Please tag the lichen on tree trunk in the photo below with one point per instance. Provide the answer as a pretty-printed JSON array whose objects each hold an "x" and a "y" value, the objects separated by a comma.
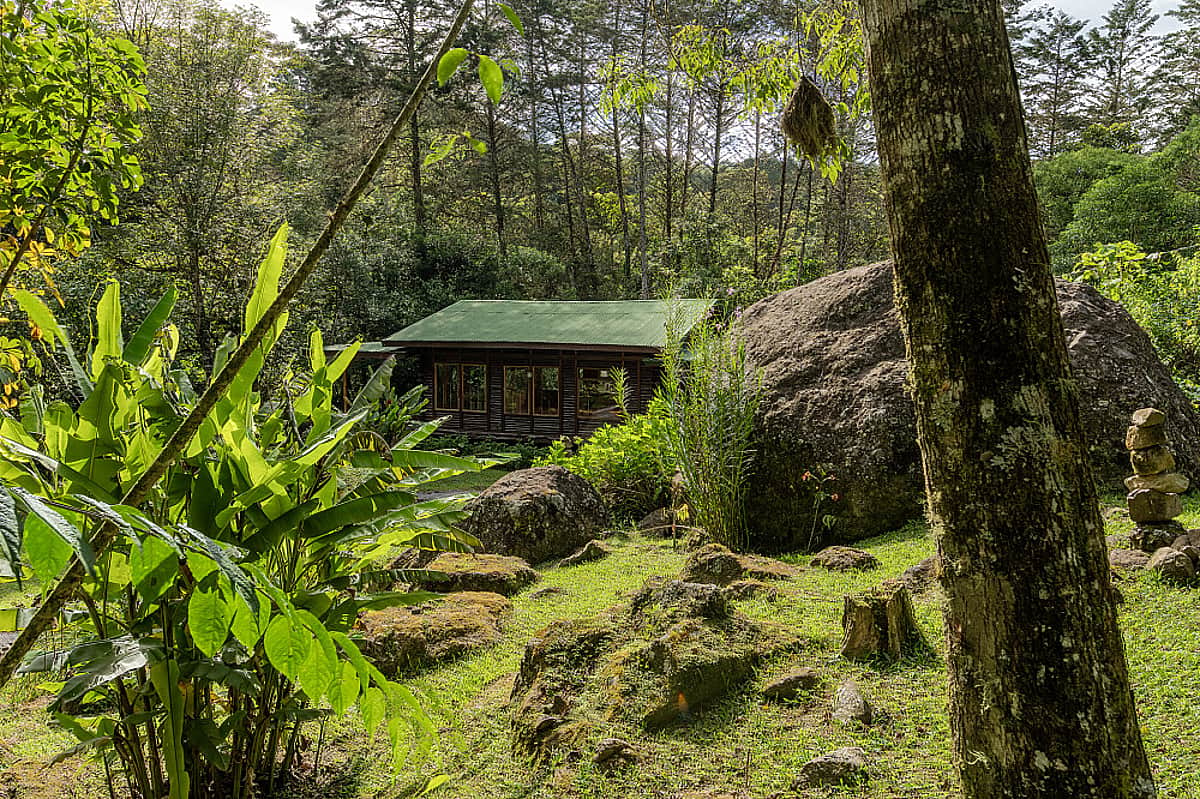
[{"x": 1040, "y": 700}]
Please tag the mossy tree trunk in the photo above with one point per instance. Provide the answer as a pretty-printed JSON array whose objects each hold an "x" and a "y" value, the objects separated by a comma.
[{"x": 1040, "y": 700}]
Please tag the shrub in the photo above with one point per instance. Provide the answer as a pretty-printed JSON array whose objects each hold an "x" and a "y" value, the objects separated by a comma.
[
  {"x": 712, "y": 395},
  {"x": 628, "y": 464}
]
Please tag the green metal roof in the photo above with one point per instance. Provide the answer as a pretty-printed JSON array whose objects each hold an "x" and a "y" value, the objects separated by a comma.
[{"x": 622, "y": 323}]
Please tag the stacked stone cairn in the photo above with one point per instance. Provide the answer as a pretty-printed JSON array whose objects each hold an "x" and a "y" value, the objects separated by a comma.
[{"x": 1155, "y": 486}]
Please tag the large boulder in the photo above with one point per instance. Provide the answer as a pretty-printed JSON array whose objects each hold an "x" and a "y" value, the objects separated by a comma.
[
  {"x": 537, "y": 514},
  {"x": 835, "y": 404}
]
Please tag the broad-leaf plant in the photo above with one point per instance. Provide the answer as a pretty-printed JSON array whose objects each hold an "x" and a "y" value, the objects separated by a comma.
[{"x": 223, "y": 620}]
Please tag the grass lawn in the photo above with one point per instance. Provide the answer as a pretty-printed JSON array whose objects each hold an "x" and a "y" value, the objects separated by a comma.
[{"x": 739, "y": 746}]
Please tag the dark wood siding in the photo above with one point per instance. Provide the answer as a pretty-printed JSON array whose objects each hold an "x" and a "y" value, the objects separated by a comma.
[{"x": 640, "y": 367}]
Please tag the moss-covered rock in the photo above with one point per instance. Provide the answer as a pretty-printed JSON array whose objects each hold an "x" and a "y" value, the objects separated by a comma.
[
  {"x": 497, "y": 574},
  {"x": 537, "y": 514},
  {"x": 717, "y": 565},
  {"x": 674, "y": 647},
  {"x": 401, "y": 639}
]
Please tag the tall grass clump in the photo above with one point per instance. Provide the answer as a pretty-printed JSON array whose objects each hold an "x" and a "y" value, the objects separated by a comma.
[{"x": 712, "y": 394}]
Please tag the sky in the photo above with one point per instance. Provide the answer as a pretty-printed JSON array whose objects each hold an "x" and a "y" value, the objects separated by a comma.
[{"x": 282, "y": 11}]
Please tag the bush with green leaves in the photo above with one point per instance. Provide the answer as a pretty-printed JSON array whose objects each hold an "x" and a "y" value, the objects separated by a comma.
[
  {"x": 629, "y": 464},
  {"x": 220, "y": 623},
  {"x": 1161, "y": 292}
]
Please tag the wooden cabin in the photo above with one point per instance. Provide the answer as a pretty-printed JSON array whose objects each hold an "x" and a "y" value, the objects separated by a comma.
[{"x": 510, "y": 369}]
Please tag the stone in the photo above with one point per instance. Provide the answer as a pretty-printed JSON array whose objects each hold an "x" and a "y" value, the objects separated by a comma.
[
  {"x": 666, "y": 653},
  {"x": 538, "y": 514},
  {"x": 1153, "y": 506},
  {"x": 1151, "y": 537},
  {"x": 842, "y": 559},
  {"x": 1132, "y": 560},
  {"x": 466, "y": 572},
  {"x": 845, "y": 766},
  {"x": 718, "y": 565},
  {"x": 1148, "y": 417},
  {"x": 750, "y": 589},
  {"x": 849, "y": 705},
  {"x": 592, "y": 550},
  {"x": 1154, "y": 460},
  {"x": 1145, "y": 437},
  {"x": 1172, "y": 564},
  {"x": 921, "y": 576},
  {"x": 400, "y": 639},
  {"x": 1167, "y": 482},
  {"x": 1193, "y": 553},
  {"x": 1190, "y": 538},
  {"x": 614, "y": 753},
  {"x": 790, "y": 686},
  {"x": 834, "y": 400},
  {"x": 879, "y": 623},
  {"x": 658, "y": 522},
  {"x": 548, "y": 591}
]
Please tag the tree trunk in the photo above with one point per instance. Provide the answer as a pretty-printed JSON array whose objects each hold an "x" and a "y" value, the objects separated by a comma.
[
  {"x": 1040, "y": 702},
  {"x": 718, "y": 135},
  {"x": 497, "y": 191},
  {"x": 414, "y": 125}
]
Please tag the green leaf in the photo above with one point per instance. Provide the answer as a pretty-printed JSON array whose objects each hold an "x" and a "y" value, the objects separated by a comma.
[
  {"x": 513, "y": 18},
  {"x": 164, "y": 676},
  {"x": 223, "y": 556},
  {"x": 343, "y": 692},
  {"x": 58, "y": 524},
  {"x": 208, "y": 619},
  {"x": 48, "y": 554},
  {"x": 438, "y": 781},
  {"x": 10, "y": 534},
  {"x": 245, "y": 625},
  {"x": 266, "y": 287},
  {"x": 153, "y": 564},
  {"x": 138, "y": 346},
  {"x": 102, "y": 662},
  {"x": 355, "y": 511},
  {"x": 378, "y": 383},
  {"x": 287, "y": 644},
  {"x": 449, "y": 64},
  {"x": 108, "y": 328},
  {"x": 320, "y": 667},
  {"x": 41, "y": 316},
  {"x": 492, "y": 78},
  {"x": 373, "y": 708}
]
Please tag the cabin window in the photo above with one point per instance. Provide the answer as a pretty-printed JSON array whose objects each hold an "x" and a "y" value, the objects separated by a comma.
[
  {"x": 545, "y": 391},
  {"x": 598, "y": 395},
  {"x": 446, "y": 389},
  {"x": 517, "y": 383},
  {"x": 474, "y": 388}
]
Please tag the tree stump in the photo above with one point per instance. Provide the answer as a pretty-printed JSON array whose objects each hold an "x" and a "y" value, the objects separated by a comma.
[{"x": 879, "y": 623}]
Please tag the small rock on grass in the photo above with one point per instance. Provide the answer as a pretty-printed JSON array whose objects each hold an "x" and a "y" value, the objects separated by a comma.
[
  {"x": 841, "y": 559},
  {"x": 592, "y": 550},
  {"x": 614, "y": 753},
  {"x": 850, "y": 705},
  {"x": 845, "y": 766},
  {"x": 1128, "y": 559},
  {"x": 791, "y": 685},
  {"x": 1172, "y": 564},
  {"x": 750, "y": 589},
  {"x": 501, "y": 574}
]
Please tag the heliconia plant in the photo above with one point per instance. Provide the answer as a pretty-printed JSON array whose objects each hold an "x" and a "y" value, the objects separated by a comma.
[{"x": 221, "y": 621}]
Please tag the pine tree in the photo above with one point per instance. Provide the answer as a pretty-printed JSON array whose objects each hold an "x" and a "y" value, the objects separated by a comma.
[
  {"x": 1055, "y": 56},
  {"x": 1121, "y": 51},
  {"x": 1177, "y": 79}
]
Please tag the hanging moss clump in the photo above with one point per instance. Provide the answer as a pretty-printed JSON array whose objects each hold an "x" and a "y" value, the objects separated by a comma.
[{"x": 808, "y": 120}]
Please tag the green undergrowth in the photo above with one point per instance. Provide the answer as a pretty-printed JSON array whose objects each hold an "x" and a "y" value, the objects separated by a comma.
[{"x": 738, "y": 745}]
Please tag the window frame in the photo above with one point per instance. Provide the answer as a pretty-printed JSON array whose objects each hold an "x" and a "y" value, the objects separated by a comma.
[
  {"x": 528, "y": 391},
  {"x": 533, "y": 390},
  {"x": 462, "y": 376},
  {"x": 589, "y": 415},
  {"x": 437, "y": 386}
]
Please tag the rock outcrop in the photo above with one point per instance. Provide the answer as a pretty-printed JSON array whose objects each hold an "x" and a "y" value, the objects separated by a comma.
[
  {"x": 401, "y": 639},
  {"x": 537, "y": 514},
  {"x": 835, "y": 403}
]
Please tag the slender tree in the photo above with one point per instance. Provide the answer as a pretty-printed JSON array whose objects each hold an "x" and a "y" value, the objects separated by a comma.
[
  {"x": 1052, "y": 86},
  {"x": 1121, "y": 49},
  {"x": 1040, "y": 701}
]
